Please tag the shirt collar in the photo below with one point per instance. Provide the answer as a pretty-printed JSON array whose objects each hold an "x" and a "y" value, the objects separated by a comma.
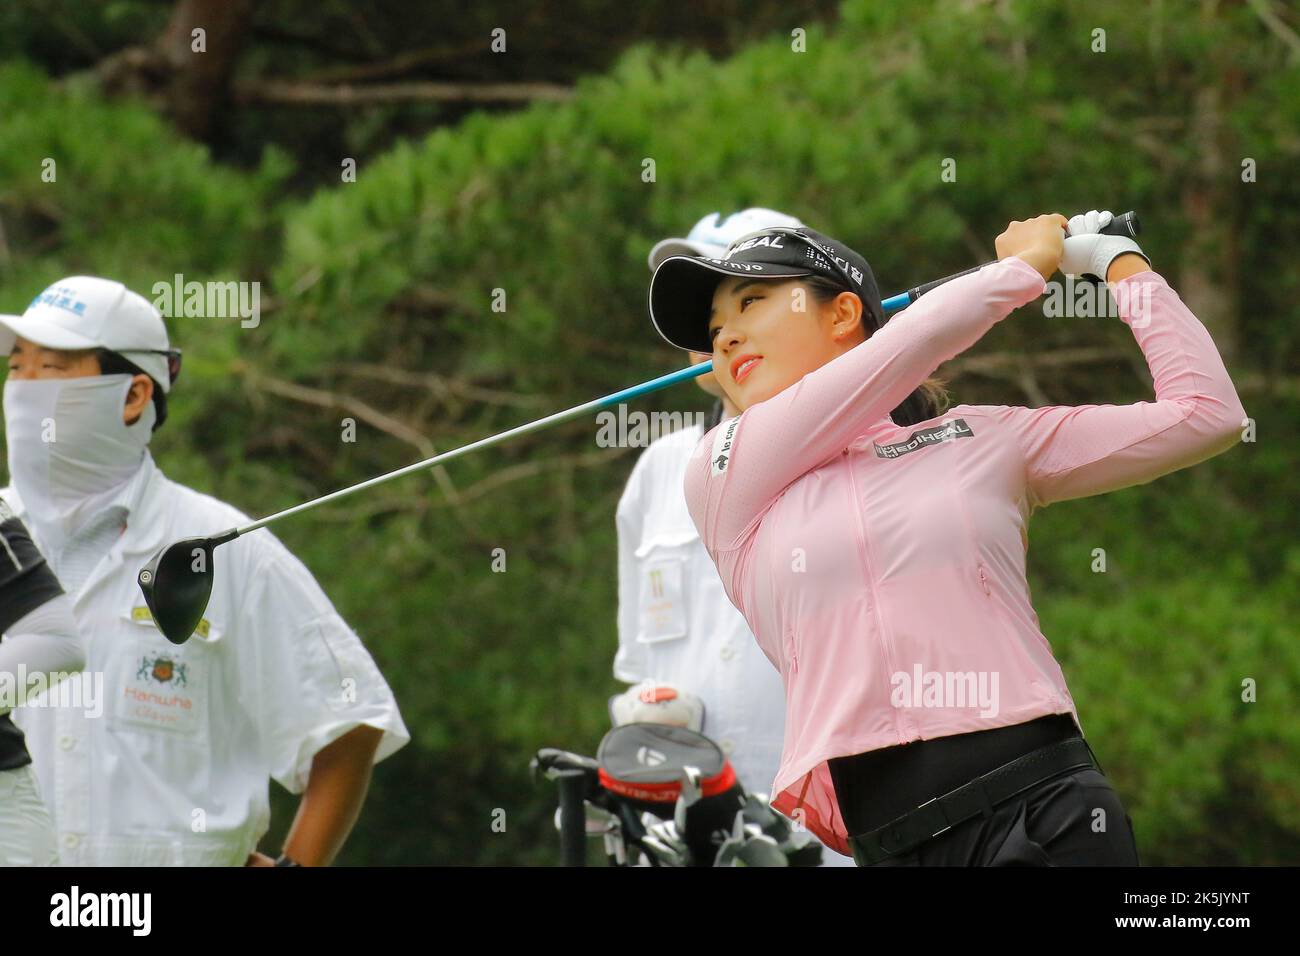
[
  {"x": 118, "y": 508},
  {"x": 128, "y": 498},
  {"x": 144, "y": 510}
]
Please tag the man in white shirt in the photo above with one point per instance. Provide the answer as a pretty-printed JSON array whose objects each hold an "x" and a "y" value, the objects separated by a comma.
[
  {"x": 676, "y": 625},
  {"x": 273, "y": 683}
]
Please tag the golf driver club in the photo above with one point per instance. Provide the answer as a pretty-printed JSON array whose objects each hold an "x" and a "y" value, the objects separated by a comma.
[{"x": 177, "y": 583}]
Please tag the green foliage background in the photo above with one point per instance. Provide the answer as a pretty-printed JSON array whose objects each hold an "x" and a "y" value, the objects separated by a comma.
[{"x": 380, "y": 292}]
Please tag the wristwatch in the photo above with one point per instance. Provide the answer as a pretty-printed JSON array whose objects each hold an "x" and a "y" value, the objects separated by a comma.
[{"x": 285, "y": 860}]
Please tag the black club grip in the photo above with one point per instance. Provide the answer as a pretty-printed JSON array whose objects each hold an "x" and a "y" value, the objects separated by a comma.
[{"x": 1126, "y": 224}]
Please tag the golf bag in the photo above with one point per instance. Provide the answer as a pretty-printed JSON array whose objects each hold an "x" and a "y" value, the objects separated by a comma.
[{"x": 670, "y": 793}]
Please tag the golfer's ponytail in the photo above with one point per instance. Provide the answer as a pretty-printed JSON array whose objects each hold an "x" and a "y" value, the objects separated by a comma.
[{"x": 929, "y": 400}]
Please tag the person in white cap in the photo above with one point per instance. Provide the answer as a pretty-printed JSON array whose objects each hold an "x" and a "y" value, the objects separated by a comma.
[
  {"x": 273, "y": 684},
  {"x": 676, "y": 626}
]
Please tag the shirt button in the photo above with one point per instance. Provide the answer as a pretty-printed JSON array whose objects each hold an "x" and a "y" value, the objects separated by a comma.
[
  {"x": 70, "y": 840},
  {"x": 67, "y": 742},
  {"x": 728, "y": 652}
]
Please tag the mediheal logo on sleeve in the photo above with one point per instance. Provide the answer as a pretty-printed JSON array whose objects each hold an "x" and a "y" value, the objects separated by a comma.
[
  {"x": 722, "y": 446},
  {"x": 957, "y": 428}
]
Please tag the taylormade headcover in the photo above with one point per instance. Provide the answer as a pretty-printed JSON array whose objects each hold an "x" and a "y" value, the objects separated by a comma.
[{"x": 650, "y": 703}]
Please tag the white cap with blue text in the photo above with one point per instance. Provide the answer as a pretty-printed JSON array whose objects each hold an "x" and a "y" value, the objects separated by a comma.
[
  {"x": 85, "y": 312},
  {"x": 712, "y": 234}
]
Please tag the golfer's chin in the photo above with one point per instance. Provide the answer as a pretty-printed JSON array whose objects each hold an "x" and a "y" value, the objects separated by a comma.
[{"x": 750, "y": 392}]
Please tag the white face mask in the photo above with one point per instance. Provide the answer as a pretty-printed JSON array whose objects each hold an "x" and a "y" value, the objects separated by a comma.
[{"x": 69, "y": 450}]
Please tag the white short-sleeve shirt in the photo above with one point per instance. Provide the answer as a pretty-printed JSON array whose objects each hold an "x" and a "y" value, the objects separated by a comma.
[{"x": 160, "y": 754}]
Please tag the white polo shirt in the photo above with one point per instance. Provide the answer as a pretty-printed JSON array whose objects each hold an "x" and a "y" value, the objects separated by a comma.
[
  {"x": 677, "y": 626},
  {"x": 174, "y": 769}
]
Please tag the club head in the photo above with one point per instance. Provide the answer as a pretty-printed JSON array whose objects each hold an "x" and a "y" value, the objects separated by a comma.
[
  {"x": 177, "y": 584},
  {"x": 760, "y": 850}
]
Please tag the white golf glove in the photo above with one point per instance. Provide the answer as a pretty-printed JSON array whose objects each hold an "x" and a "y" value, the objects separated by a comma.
[{"x": 1087, "y": 252}]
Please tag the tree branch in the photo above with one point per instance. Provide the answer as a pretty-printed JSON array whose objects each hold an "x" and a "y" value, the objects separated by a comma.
[
  {"x": 296, "y": 93},
  {"x": 309, "y": 41},
  {"x": 442, "y": 386},
  {"x": 1020, "y": 369},
  {"x": 395, "y": 66},
  {"x": 1264, "y": 10},
  {"x": 1144, "y": 134},
  {"x": 58, "y": 17},
  {"x": 371, "y": 416},
  {"x": 995, "y": 362},
  {"x": 373, "y": 509},
  {"x": 536, "y": 466},
  {"x": 1268, "y": 385}
]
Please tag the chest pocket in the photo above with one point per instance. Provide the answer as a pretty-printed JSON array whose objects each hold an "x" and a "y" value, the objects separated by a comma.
[
  {"x": 156, "y": 685},
  {"x": 663, "y": 561}
]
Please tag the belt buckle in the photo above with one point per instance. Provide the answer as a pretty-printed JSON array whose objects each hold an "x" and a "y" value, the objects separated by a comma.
[{"x": 947, "y": 825}]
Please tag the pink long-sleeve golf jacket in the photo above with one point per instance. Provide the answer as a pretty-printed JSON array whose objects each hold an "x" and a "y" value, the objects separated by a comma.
[{"x": 882, "y": 568}]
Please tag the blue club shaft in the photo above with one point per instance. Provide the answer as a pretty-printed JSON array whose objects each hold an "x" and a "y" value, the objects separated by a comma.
[{"x": 892, "y": 304}]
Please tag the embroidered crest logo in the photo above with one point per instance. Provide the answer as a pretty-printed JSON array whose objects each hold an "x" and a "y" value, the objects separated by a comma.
[{"x": 162, "y": 669}]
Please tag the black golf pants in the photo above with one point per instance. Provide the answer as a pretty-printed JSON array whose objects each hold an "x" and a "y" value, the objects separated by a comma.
[{"x": 1072, "y": 820}]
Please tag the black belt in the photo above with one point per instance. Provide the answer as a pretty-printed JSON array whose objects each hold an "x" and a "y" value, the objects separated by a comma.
[{"x": 971, "y": 799}]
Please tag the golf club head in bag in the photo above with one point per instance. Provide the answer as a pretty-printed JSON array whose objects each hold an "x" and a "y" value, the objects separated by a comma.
[
  {"x": 748, "y": 845},
  {"x": 177, "y": 584},
  {"x": 667, "y": 847},
  {"x": 674, "y": 774},
  {"x": 799, "y": 847}
]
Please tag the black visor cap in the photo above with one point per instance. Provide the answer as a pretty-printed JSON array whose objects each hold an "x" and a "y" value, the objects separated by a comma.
[{"x": 681, "y": 291}]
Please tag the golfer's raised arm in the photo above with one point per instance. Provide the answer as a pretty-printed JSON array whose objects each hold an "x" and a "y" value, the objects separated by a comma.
[
  {"x": 44, "y": 641},
  {"x": 1072, "y": 451},
  {"x": 777, "y": 440},
  {"x": 40, "y": 634}
]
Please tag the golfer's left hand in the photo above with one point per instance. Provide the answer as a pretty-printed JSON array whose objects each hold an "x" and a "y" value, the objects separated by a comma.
[
  {"x": 1087, "y": 252},
  {"x": 1038, "y": 241}
]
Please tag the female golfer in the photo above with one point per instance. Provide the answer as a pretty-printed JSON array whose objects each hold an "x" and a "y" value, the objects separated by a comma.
[{"x": 882, "y": 567}]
